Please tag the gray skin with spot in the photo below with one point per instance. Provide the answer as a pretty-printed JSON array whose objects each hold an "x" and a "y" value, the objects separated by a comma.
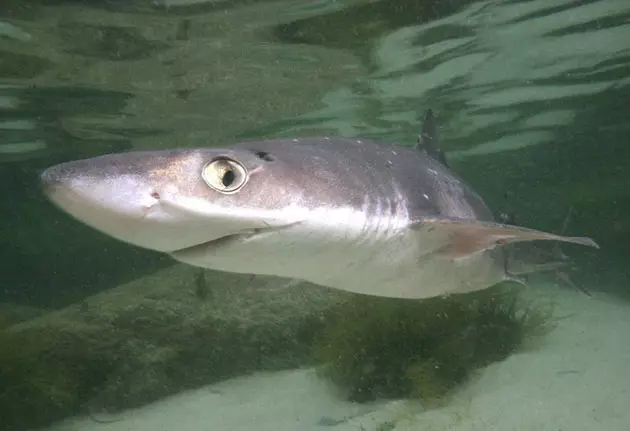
[{"x": 356, "y": 215}]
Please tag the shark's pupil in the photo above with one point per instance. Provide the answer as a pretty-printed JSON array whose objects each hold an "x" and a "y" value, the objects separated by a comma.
[{"x": 228, "y": 178}]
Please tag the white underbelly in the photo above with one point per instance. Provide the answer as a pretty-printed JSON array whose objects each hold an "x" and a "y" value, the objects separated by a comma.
[
  {"x": 397, "y": 265},
  {"x": 437, "y": 276}
]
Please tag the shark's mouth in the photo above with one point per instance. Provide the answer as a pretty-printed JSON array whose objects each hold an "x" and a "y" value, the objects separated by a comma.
[
  {"x": 216, "y": 243},
  {"x": 229, "y": 239}
]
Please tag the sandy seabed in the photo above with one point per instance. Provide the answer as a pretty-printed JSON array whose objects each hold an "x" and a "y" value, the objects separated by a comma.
[{"x": 577, "y": 379}]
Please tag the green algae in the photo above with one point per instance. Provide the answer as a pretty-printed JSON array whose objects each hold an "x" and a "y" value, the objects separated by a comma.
[{"x": 389, "y": 348}]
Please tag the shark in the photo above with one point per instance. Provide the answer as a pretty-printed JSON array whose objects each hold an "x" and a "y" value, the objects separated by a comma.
[{"x": 358, "y": 215}]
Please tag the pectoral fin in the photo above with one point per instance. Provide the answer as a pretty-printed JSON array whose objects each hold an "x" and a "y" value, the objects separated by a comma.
[{"x": 463, "y": 238}]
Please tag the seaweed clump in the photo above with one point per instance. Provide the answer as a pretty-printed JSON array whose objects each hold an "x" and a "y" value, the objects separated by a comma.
[
  {"x": 390, "y": 348},
  {"x": 38, "y": 386}
]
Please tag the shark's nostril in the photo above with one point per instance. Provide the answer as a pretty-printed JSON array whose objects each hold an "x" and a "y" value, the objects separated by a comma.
[{"x": 155, "y": 195}]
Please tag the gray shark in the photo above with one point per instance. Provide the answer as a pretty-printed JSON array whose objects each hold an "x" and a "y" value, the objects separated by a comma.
[{"x": 356, "y": 215}]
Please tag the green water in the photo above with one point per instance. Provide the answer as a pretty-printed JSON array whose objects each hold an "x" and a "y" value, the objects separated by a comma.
[
  {"x": 532, "y": 99},
  {"x": 86, "y": 78}
]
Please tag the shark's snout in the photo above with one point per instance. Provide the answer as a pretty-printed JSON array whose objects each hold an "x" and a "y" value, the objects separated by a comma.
[
  {"x": 121, "y": 200},
  {"x": 155, "y": 200},
  {"x": 123, "y": 206},
  {"x": 58, "y": 179},
  {"x": 49, "y": 179}
]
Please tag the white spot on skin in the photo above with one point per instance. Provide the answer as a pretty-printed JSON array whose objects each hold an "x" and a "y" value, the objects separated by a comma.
[
  {"x": 431, "y": 171},
  {"x": 426, "y": 196},
  {"x": 359, "y": 141},
  {"x": 295, "y": 140}
]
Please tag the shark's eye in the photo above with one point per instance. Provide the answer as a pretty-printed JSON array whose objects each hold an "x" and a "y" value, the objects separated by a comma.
[{"x": 225, "y": 175}]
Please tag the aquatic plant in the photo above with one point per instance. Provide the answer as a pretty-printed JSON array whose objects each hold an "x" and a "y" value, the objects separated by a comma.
[
  {"x": 390, "y": 348},
  {"x": 37, "y": 385},
  {"x": 25, "y": 385},
  {"x": 141, "y": 342}
]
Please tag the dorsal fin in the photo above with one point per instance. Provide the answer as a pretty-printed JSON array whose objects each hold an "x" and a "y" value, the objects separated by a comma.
[{"x": 429, "y": 139}]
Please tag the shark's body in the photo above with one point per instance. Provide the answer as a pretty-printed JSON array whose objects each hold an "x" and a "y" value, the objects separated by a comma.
[{"x": 355, "y": 215}]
